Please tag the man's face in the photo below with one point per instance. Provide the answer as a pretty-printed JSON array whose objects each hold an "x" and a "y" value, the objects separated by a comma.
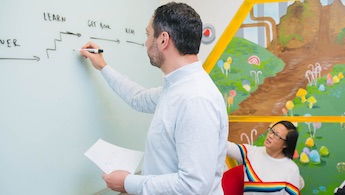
[{"x": 156, "y": 57}]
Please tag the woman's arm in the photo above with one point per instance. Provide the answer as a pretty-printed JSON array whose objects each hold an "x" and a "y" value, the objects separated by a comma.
[{"x": 234, "y": 152}]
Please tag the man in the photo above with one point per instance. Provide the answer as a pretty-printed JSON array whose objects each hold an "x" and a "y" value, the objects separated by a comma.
[{"x": 186, "y": 143}]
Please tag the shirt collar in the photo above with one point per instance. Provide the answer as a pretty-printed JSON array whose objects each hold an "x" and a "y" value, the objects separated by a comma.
[{"x": 181, "y": 72}]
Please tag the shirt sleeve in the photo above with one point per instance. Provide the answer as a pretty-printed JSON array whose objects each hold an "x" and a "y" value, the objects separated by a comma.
[
  {"x": 295, "y": 178},
  {"x": 197, "y": 144},
  {"x": 234, "y": 152},
  {"x": 136, "y": 96}
]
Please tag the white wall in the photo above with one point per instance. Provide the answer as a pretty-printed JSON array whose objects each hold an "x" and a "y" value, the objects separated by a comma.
[
  {"x": 219, "y": 13},
  {"x": 53, "y": 109}
]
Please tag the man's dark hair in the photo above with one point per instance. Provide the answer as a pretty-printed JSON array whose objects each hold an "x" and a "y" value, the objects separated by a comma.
[{"x": 183, "y": 25}]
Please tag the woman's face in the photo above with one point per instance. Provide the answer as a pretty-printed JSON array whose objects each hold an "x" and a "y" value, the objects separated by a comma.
[{"x": 276, "y": 136}]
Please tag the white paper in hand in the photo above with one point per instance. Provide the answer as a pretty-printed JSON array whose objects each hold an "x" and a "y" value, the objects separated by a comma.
[{"x": 109, "y": 157}]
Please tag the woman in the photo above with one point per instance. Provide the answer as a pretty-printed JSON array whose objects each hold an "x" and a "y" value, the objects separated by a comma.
[{"x": 268, "y": 169}]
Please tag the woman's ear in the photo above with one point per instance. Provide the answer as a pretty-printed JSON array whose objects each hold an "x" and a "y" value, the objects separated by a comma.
[{"x": 285, "y": 145}]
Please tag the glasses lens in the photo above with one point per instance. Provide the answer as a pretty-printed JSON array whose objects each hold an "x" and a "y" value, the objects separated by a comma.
[{"x": 275, "y": 135}]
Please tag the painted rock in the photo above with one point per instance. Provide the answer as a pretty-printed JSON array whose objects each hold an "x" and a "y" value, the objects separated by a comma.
[
  {"x": 324, "y": 151},
  {"x": 306, "y": 150},
  {"x": 314, "y": 157},
  {"x": 295, "y": 155},
  {"x": 304, "y": 158},
  {"x": 309, "y": 142},
  {"x": 322, "y": 87}
]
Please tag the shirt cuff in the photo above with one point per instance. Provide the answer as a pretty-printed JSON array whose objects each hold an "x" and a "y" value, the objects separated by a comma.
[
  {"x": 133, "y": 183},
  {"x": 105, "y": 71}
]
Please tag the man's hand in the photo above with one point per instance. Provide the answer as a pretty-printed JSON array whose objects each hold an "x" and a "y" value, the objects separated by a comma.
[
  {"x": 116, "y": 180},
  {"x": 97, "y": 60}
]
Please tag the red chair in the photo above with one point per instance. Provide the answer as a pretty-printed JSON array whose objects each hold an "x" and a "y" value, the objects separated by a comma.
[{"x": 233, "y": 181}]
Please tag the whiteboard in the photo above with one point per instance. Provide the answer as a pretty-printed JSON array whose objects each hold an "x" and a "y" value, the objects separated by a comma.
[{"x": 54, "y": 105}]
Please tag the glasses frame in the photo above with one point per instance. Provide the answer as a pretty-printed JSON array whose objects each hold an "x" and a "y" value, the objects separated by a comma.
[{"x": 275, "y": 135}]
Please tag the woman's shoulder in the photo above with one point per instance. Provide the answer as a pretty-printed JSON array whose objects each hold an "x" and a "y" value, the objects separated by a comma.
[
  {"x": 290, "y": 165},
  {"x": 254, "y": 148}
]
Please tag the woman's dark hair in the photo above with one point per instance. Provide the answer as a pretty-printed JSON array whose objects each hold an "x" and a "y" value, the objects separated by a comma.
[
  {"x": 291, "y": 138},
  {"x": 182, "y": 23}
]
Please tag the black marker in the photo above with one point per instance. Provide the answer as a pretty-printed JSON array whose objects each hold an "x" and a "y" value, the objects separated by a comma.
[{"x": 91, "y": 50}]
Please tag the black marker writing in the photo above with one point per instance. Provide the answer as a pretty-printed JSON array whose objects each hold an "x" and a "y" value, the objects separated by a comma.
[
  {"x": 53, "y": 17},
  {"x": 9, "y": 42},
  {"x": 116, "y": 40},
  {"x": 55, "y": 40},
  {"x": 35, "y": 58}
]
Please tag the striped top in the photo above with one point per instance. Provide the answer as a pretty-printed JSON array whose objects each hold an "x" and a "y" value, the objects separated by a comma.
[{"x": 255, "y": 184}]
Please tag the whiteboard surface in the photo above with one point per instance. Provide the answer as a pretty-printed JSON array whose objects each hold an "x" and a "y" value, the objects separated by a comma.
[{"x": 54, "y": 105}]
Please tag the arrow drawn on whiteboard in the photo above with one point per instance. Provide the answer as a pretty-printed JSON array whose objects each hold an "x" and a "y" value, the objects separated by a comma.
[
  {"x": 142, "y": 44},
  {"x": 55, "y": 40},
  {"x": 118, "y": 41},
  {"x": 35, "y": 58}
]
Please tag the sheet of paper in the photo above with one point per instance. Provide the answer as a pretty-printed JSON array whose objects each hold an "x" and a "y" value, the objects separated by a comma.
[{"x": 110, "y": 157}]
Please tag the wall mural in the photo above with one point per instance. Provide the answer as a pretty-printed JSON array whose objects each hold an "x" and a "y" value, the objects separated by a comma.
[{"x": 286, "y": 60}]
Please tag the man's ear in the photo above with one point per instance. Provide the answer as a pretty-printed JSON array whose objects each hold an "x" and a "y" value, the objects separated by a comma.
[{"x": 165, "y": 39}]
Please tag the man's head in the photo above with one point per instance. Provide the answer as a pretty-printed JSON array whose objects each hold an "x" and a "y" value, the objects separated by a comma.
[{"x": 182, "y": 24}]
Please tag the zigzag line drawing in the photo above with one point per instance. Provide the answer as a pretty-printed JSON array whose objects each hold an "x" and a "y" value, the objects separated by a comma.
[{"x": 55, "y": 40}]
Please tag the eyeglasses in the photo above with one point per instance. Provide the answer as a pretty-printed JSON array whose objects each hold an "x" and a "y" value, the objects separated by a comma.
[{"x": 275, "y": 135}]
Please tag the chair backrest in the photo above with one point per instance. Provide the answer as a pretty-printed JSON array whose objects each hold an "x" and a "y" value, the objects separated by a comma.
[{"x": 233, "y": 181}]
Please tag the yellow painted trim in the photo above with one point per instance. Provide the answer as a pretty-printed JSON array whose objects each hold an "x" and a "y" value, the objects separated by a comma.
[
  {"x": 324, "y": 119},
  {"x": 231, "y": 30},
  {"x": 230, "y": 162}
]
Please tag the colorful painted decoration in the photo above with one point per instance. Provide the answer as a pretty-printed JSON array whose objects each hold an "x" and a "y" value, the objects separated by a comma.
[
  {"x": 309, "y": 142},
  {"x": 304, "y": 158},
  {"x": 324, "y": 151},
  {"x": 322, "y": 88},
  {"x": 306, "y": 150},
  {"x": 314, "y": 157},
  {"x": 208, "y": 34},
  {"x": 254, "y": 60}
]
